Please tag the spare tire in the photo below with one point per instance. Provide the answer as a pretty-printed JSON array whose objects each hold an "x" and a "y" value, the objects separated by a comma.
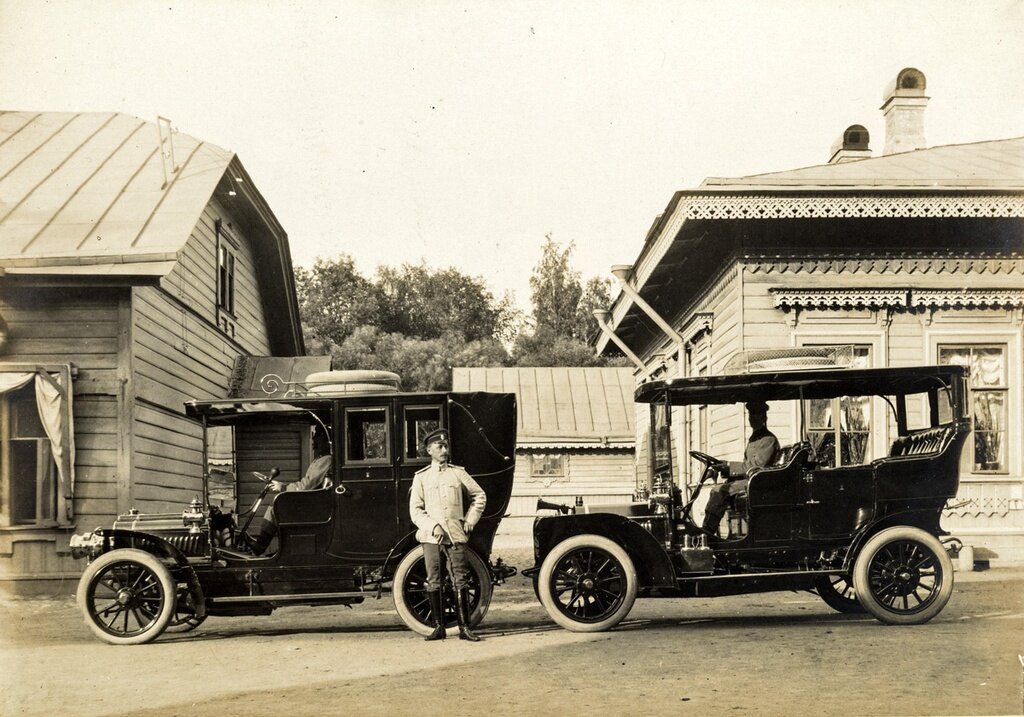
[{"x": 332, "y": 383}]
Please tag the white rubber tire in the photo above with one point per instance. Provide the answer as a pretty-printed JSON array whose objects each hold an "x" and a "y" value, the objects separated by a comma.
[
  {"x": 412, "y": 563},
  {"x": 899, "y": 562},
  {"x": 624, "y": 574}
]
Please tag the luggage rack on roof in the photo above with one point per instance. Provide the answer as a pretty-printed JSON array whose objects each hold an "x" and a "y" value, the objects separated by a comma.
[
  {"x": 803, "y": 358},
  {"x": 333, "y": 383}
]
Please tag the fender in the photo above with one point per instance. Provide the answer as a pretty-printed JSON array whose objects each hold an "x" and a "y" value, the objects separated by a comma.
[
  {"x": 926, "y": 520},
  {"x": 154, "y": 544},
  {"x": 653, "y": 564}
]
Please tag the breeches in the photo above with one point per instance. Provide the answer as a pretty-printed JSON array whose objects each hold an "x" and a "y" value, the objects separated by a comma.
[
  {"x": 722, "y": 495},
  {"x": 458, "y": 564}
]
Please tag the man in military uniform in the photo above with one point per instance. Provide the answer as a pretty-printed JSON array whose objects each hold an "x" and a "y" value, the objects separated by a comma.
[
  {"x": 762, "y": 447},
  {"x": 436, "y": 505}
]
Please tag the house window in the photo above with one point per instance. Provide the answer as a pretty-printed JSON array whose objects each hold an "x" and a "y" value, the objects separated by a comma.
[
  {"x": 547, "y": 465},
  {"x": 839, "y": 429},
  {"x": 225, "y": 278},
  {"x": 29, "y": 480},
  {"x": 987, "y": 442},
  {"x": 366, "y": 435},
  {"x": 420, "y": 421}
]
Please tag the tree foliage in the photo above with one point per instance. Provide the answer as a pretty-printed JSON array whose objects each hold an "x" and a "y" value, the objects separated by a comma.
[{"x": 335, "y": 300}]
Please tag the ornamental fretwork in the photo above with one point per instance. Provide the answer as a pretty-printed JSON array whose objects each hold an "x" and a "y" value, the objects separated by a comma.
[{"x": 748, "y": 207}]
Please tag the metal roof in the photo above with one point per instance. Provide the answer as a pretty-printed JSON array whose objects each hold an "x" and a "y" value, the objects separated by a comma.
[
  {"x": 563, "y": 407},
  {"x": 997, "y": 164},
  {"x": 88, "y": 189},
  {"x": 99, "y": 197}
]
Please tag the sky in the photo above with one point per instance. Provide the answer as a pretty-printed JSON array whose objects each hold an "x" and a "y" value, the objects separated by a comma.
[{"x": 463, "y": 133}]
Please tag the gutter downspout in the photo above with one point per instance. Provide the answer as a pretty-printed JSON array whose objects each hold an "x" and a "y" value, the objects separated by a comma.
[
  {"x": 602, "y": 321},
  {"x": 621, "y": 272}
]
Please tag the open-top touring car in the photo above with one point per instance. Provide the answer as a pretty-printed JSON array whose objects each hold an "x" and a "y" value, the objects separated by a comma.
[
  {"x": 823, "y": 515},
  {"x": 348, "y": 540}
]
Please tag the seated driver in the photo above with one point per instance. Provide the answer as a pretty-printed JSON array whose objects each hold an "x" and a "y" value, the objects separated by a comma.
[
  {"x": 315, "y": 478},
  {"x": 762, "y": 447}
]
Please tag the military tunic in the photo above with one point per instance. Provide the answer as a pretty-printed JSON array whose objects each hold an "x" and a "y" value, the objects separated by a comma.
[{"x": 436, "y": 500}]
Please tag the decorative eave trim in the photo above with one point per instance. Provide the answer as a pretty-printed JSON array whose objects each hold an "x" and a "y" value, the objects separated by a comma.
[
  {"x": 980, "y": 298},
  {"x": 804, "y": 207},
  {"x": 787, "y": 298}
]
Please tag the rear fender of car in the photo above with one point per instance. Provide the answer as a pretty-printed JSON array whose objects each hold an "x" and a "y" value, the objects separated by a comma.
[
  {"x": 926, "y": 520},
  {"x": 652, "y": 562}
]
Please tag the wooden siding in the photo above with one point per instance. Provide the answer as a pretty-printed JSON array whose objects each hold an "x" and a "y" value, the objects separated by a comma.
[
  {"x": 178, "y": 354},
  {"x": 260, "y": 448},
  {"x": 598, "y": 476},
  {"x": 50, "y": 325}
]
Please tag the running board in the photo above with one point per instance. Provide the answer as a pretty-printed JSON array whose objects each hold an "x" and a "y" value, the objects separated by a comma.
[{"x": 301, "y": 597}]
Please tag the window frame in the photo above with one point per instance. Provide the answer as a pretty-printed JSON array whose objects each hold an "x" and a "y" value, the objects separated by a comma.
[
  {"x": 562, "y": 465},
  {"x": 226, "y": 288},
  {"x": 405, "y": 430},
  {"x": 968, "y": 463},
  {"x": 346, "y": 456},
  {"x": 62, "y": 493}
]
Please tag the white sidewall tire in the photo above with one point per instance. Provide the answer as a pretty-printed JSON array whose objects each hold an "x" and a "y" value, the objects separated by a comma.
[
  {"x": 862, "y": 580},
  {"x": 167, "y": 585},
  {"x": 551, "y": 603},
  {"x": 405, "y": 612}
]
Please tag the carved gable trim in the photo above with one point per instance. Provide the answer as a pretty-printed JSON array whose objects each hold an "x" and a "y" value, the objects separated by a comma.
[{"x": 788, "y": 298}]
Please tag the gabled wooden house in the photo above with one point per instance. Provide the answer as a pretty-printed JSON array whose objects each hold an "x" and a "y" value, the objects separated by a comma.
[
  {"x": 576, "y": 434},
  {"x": 913, "y": 257},
  {"x": 136, "y": 264}
]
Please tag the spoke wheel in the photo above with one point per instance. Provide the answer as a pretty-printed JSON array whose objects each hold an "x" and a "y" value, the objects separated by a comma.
[
  {"x": 838, "y": 593},
  {"x": 127, "y": 597},
  {"x": 184, "y": 620},
  {"x": 410, "y": 592},
  {"x": 587, "y": 584},
  {"x": 903, "y": 576}
]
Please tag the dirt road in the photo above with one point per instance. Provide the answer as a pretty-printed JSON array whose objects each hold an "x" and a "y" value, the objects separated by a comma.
[{"x": 769, "y": 654}]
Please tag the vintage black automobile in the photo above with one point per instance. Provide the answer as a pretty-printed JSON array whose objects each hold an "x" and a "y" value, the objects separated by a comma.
[
  {"x": 349, "y": 540},
  {"x": 864, "y": 536}
]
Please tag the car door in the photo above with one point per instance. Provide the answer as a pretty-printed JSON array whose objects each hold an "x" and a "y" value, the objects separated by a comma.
[{"x": 365, "y": 493}]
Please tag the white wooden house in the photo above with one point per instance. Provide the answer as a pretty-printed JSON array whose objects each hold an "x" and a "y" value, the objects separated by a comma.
[{"x": 913, "y": 257}]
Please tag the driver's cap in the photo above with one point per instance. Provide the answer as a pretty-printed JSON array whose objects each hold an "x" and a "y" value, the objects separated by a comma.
[{"x": 439, "y": 434}]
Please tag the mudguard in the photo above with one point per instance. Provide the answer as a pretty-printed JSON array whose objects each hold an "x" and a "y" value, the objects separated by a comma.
[
  {"x": 652, "y": 562},
  {"x": 925, "y": 519}
]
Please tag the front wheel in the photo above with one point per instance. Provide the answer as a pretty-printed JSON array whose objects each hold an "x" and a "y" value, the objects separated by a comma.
[
  {"x": 127, "y": 597},
  {"x": 587, "y": 584},
  {"x": 410, "y": 592},
  {"x": 903, "y": 576}
]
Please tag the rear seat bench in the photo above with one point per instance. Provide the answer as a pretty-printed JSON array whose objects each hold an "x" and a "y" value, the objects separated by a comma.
[{"x": 930, "y": 440}]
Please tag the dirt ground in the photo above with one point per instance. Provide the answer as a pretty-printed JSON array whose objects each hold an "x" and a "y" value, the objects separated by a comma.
[{"x": 769, "y": 654}]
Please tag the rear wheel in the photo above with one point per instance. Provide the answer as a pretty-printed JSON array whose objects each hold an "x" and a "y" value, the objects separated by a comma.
[
  {"x": 903, "y": 576},
  {"x": 410, "y": 592},
  {"x": 128, "y": 597},
  {"x": 838, "y": 593},
  {"x": 587, "y": 584}
]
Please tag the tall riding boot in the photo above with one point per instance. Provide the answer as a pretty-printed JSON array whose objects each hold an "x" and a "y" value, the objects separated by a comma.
[
  {"x": 464, "y": 632},
  {"x": 436, "y": 615}
]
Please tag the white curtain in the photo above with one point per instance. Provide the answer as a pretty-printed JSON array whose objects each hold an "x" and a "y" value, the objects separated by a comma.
[{"x": 50, "y": 400}]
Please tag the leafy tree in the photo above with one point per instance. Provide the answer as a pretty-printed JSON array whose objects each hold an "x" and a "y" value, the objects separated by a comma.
[
  {"x": 555, "y": 290},
  {"x": 544, "y": 347},
  {"x": 335, "y": 299},
  {"x": 429, "y": 303},
  {"x": 423, "y": 364},
  {"x": 596, "y": 295}
]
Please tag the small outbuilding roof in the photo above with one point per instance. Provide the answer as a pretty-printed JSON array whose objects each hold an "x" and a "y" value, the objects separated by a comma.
[{"x": 563, "y": 407}]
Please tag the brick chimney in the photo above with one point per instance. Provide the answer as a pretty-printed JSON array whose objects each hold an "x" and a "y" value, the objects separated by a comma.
[
  {"x": 903, "y": 110},
  {"x": 851, "y": 146}
]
